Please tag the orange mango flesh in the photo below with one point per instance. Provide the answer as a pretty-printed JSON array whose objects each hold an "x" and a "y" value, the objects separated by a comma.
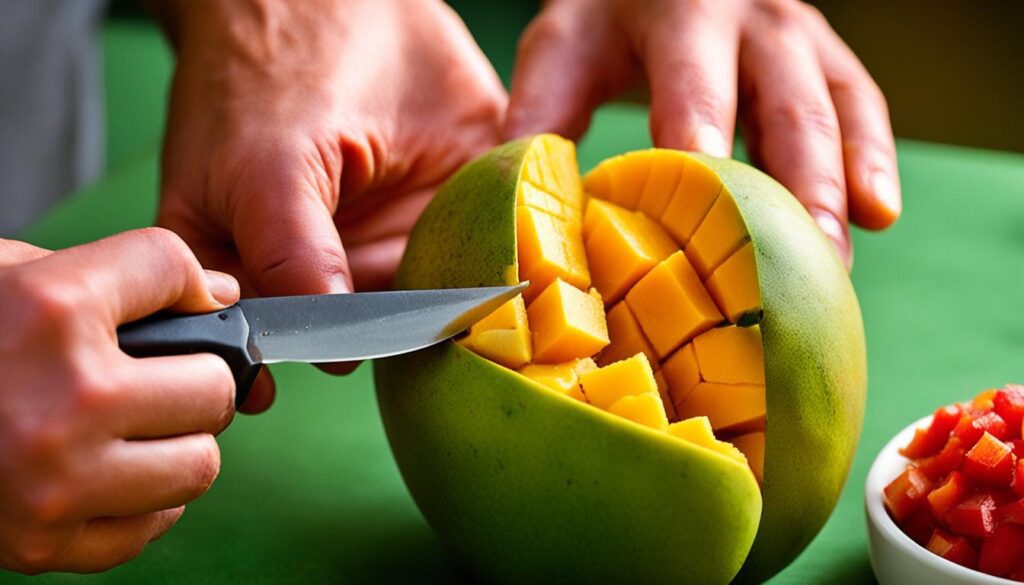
[
  {"x": 567, "y": 324},
  {"x": 663, "y": 243},
  {"x": 629, "y": 244}
]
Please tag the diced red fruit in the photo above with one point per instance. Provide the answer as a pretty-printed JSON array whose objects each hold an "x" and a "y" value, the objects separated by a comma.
[
  {"x": 907, "y": 493},
  {"x": 975, "y": 516},
  {"x": 953, "y": 548},
  {"x": 949, "y": 494},
  {"x": 971, "y": 427},
  {"x": 930, "y": 440},
  {"x": 1001, "y": 550},
  {"x": 990, "y": 462},
  {"x": 942, "y": 463},
  {"x": 984, "y": 401},
  {"x": 1012, "y": 512},
  {"x": 1018, "y": 447},
  {"x": 1018, "y": 478},
  {"x": 920, "y": 526},
  {"x": 1009, "y": 404}
]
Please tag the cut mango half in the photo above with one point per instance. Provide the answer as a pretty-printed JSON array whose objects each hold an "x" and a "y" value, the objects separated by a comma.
[{"x": 644, "y": 298}]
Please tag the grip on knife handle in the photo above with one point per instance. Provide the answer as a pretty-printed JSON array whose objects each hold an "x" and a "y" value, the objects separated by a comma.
[{"x": 224, "y": 333}]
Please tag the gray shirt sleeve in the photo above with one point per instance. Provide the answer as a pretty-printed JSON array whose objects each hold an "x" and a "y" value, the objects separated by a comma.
[{"x": 51, "y": 112}]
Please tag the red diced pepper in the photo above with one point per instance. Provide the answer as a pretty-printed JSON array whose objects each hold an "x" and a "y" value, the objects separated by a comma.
[
  {"x": 1018, "y": 478},
  {"x": 990, "y": 462},
  {"x": 1018, "y": 447},
  {"x": 907, "y": 493},
  {"x": 975, "y": 516},
  {"x": 939, "y": 465},
  {"x": 952, "y": 547},
  {"x": 971, "y": 428},
  {"x": 1017, "y": 575},
  {"x": 929, "y": 441},
  {"x": 1009, "y": 404},
  {"x": 999, "y": 552},
  {"x": 1012, "y": 512},
  {"x": 920, "y": 526},
  {"x": 949, "y": 494}
]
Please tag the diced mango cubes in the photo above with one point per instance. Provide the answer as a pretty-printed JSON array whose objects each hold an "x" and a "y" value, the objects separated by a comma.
[
  {"x": 666, "y": 398},
  {"x": 720, "y": 234},
  {"x": 734, "y": 285},
  {"x": 564, "y": 378},
  {"x": 568, "y": 324},
  {"x": 697, "y": 430},
  {"x": 605, "y": 386},
  {"x": 549, "y": 248},
  {"x": 645, "y": 409},
  {"x": 538, "y": 198},
  {"x": 666, "y": 170},
  {"x": 624, "y": 246},
  {"x": 621, "y": 179},
  {"x": 697, "y": 190},
  {"x": 626, "y": 338},
  {"x": 752, "y": 445},
  {"x": 734, "y": 408},
  {"x": 731, "y": 355},
  {"x": 682, "y": 374},
  {"x": 671, "y": 305},
  {"x": 503, "y": 336}
]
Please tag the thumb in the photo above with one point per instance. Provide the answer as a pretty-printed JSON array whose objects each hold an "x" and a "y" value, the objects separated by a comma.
[
  {"x": 285, "y": 234},
  {"x": 563, "y": 72}
]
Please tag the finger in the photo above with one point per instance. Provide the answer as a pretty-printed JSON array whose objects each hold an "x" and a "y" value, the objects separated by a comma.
[
  {"x": 134, "y": 274},
  {"x": 691, "y": 61},
  {"x": 139, "y": 477},
  {"x": 261, "y": 395},
  {"x": 568, "y": 62},
  {"x": 799, "y": 130},
  {"x": 105, "y": 543},
  {"x": 869, "y": 151},
  {"x": 14, "y": 252},
  {"x": 173, "y": 395},
  {"x": 284, "y": 230}
]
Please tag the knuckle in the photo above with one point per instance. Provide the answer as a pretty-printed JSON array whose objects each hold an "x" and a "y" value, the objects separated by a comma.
[
  {"x": 36, "y": 553},
  {"x": 779, "y": 14},
  {"x": 170, "y": 244},
  {"x": 92, "y": 391},
  {"x": 808, "y": 117},
  {"x": 42, "y": 304},
  {"x": 49, "y": 504},
  {"x": 545, "y": 30}
]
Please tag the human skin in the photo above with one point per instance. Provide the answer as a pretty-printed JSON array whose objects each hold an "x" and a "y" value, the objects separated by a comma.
[
  {"x": 100, "y": 452},
  {"x": 305, "y": 138},
  {"x": 811, "y": 115}
]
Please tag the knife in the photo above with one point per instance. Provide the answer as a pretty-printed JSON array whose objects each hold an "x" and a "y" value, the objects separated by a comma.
[{"x": 314, "y": 328}]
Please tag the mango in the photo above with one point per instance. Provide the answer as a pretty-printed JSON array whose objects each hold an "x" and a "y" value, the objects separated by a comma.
[
  {"x": 629, "y": 244},
  {"x": 569, "y": 323},
  {"x": 503, "y": 336},
  {"x": 749, "y": 311}
]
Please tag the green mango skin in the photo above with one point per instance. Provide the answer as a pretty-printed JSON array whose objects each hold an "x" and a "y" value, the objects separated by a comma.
[
  {"x": 523, "y": 484},
  {"x": 815, "y": 367}
]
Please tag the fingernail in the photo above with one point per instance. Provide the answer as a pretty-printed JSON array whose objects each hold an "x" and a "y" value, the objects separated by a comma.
[
  {"x": 886, "y": 192},
  {"x": 223, "y": 287},
  {"x": 710, "y": 140},
  {"x": 829, "y": 225},
  {"x": 340, "y": 284}
]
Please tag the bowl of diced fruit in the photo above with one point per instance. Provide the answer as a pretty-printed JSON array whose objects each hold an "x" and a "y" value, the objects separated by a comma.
[{"x": 945, "y": 497}]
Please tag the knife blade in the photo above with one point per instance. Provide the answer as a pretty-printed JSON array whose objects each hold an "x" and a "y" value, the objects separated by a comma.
[{"x": 315, "y": 328}]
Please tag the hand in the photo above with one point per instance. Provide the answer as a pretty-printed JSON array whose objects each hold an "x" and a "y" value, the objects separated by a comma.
[
  {"x": 99, "y": 452},
  {"x": 305, "y": 138},
  {"x": 811, "y": 115}
]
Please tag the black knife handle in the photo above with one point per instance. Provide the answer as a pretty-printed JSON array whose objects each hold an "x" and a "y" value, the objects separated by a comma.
[{"x": 224, "y": 333}]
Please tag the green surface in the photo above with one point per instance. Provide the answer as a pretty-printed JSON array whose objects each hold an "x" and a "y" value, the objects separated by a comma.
[{"x": 309, "y": 493}]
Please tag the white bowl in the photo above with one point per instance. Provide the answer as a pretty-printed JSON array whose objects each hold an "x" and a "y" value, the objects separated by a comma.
[{"x": 896, "y": 559}]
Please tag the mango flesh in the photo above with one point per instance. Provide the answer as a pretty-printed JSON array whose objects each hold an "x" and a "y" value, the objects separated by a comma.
[{"x": 478, "y": 443}]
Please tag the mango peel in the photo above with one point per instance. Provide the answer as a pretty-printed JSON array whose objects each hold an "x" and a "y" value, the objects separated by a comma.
[{"x": 523, "y": 482}]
